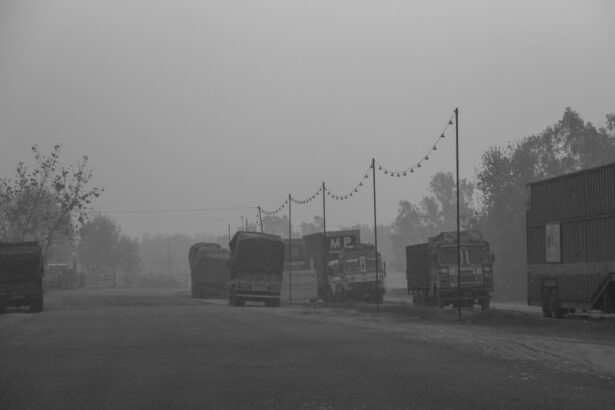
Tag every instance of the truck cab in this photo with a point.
(356, 274)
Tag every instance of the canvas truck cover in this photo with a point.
(20, 261)
(199, 250)
(256, 252)
(210, 264)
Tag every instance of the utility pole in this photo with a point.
(260, 218)
(376, 237)
(290, 251)
(458, 232)
(324, 233)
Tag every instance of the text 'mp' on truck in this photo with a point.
(21, 275)
(571, 242)
(256, 268)
(432, 270)
(321, 249)
(209, 270)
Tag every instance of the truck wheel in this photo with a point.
(231, 299)
(555, 305)
(544, 301)
(239, 302)
(436, 301)
(2, 305)
(484, 304)
(36, 304)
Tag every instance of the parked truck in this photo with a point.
(21, 275)
(209, 271)
(357, 274)
(256, 268)
(321, 249)
(432, 270)
(571, 242)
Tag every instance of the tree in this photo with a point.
(311, 227)
(102, 244)
(99, 241)
(435, 213)
(47, 202)
(570, 145)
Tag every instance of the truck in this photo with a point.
(358, 274)
(209, 271)
(322, 248)
(21, 275)
(294, 254)
(432, 270)
(570, 221)
(256, 268)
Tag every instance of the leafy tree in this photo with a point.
(47, 202)
(274, 224)
(99, 241)
(435, 213)
(570, 145)
(311, 227)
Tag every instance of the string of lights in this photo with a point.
(353, 191)
(386, 171)
(418, 164)
(309, 199)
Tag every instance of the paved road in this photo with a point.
(159, 349)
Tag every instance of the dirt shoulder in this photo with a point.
(569, 345)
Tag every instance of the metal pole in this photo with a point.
(324, 235)
(376, 237)
(260, 218)
(290, 251)
(458, 232)
(229, 232)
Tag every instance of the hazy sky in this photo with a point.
(231, 104)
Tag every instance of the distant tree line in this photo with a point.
(50, 203)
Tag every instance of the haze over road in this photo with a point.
(160, 349)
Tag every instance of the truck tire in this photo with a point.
(2, 305)
(436, 300)
(484, 304)
(554, 305)
(36, 304)
(544, 301)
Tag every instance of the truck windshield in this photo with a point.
(476, 255)
(471, 255)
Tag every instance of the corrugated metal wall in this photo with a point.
(583, 204)
(583, 194)
(601, 191)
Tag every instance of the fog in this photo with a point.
(194, 113)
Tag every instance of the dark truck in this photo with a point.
(320, 250)
(209, 271)
(256, 268)
(21, 275)
(431, 270)
(571, 242)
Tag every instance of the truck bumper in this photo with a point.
(467, 295)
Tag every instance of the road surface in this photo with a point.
(160, 349)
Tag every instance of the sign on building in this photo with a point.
(553, 243)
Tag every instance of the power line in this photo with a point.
(139, 211)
